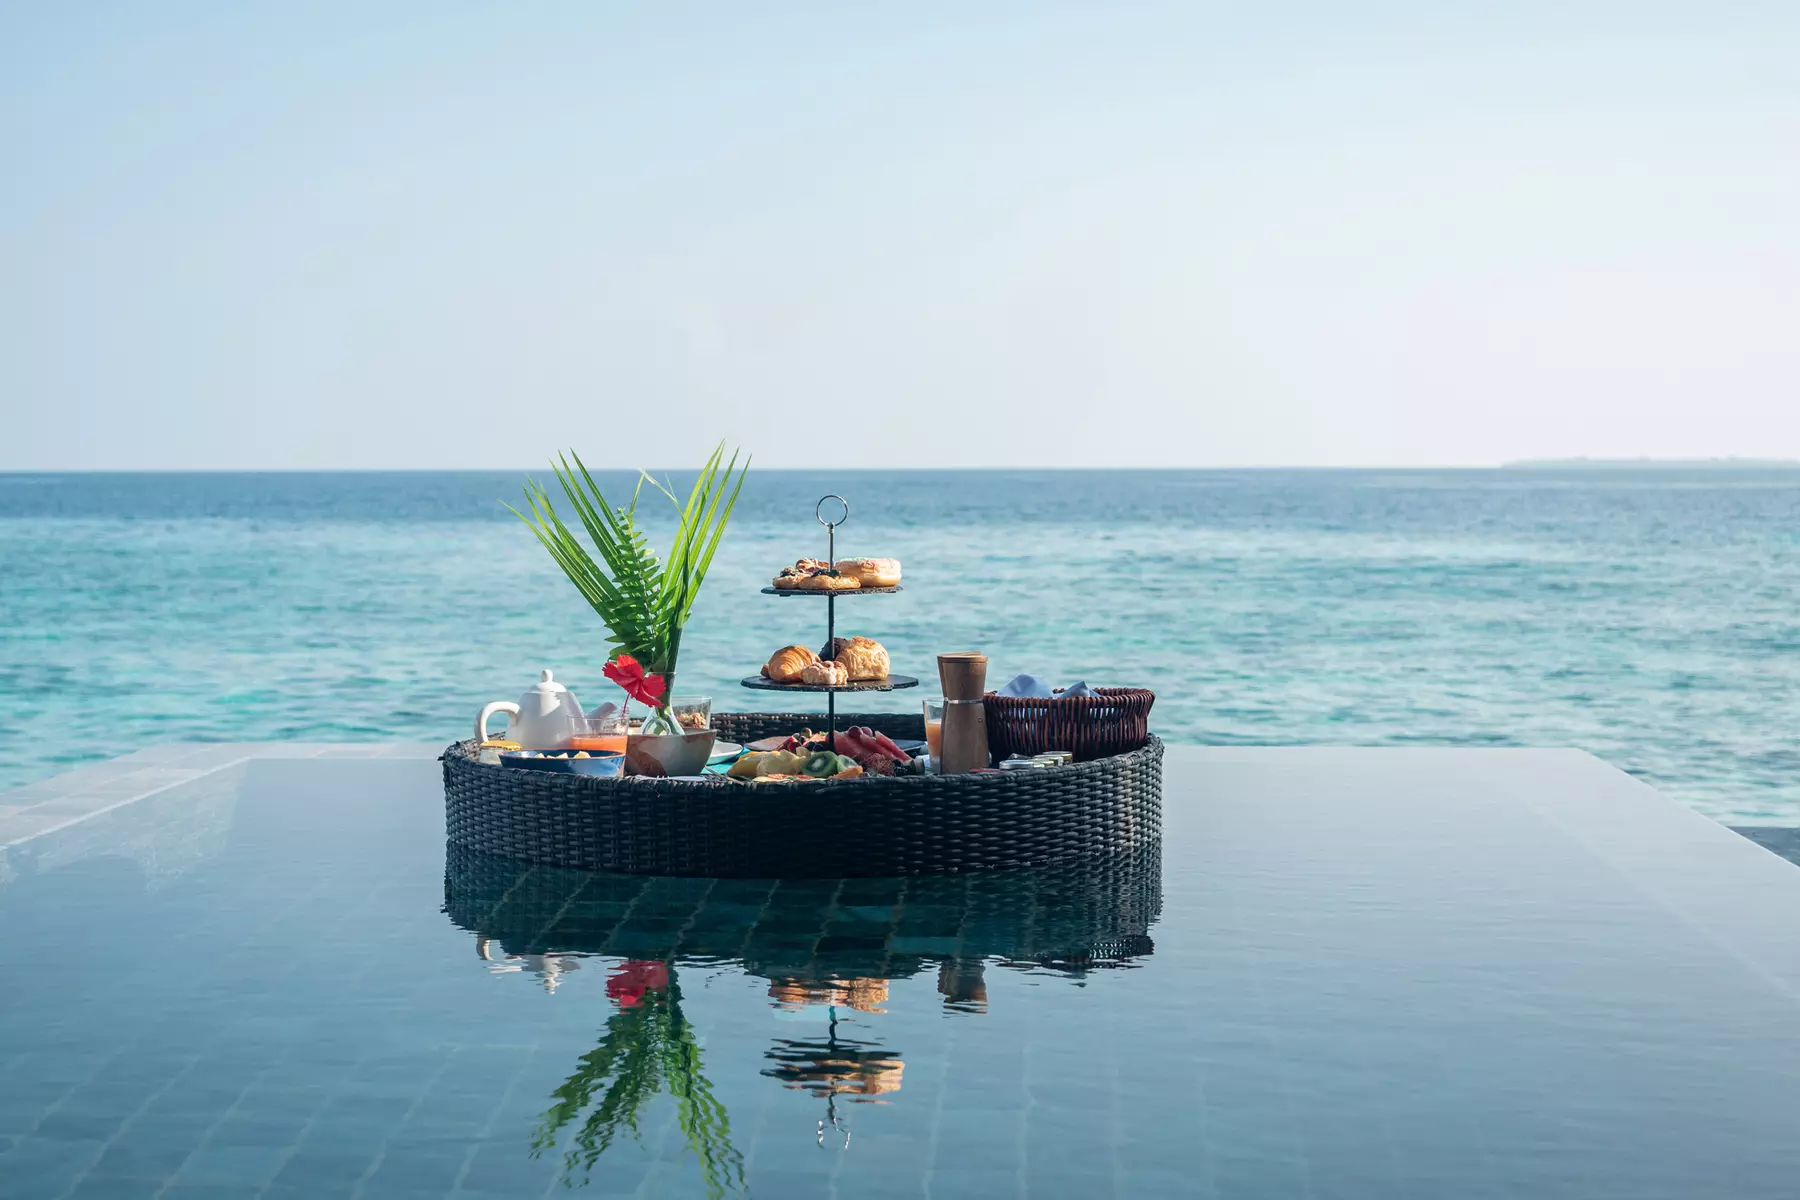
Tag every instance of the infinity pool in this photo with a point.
(1346, 974)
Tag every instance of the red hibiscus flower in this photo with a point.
(633, 979)
(629, 674)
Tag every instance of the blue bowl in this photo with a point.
(602, 764)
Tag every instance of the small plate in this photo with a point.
(605, 764)
(724, 752)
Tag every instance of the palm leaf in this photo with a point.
(644, 601)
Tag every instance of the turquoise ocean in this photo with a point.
(1649, 616)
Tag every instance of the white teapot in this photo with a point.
(545, 718)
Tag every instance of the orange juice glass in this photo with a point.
(934, 726)
(600, 733)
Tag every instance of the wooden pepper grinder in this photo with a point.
(965, 744)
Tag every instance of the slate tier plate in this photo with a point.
(860, 591)
(888, 684)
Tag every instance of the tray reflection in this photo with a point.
(820, 944)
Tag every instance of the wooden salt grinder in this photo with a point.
(965, 745)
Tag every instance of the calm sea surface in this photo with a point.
(1650, 617)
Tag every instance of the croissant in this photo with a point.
(863, 658)
(786, 664)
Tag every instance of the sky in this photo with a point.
(444, 235)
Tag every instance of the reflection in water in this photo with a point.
(549, 968)
(647, 1048)
(835, 1067)
(831, 944)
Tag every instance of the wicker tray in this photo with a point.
(928, 825)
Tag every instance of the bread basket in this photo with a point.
(1114, 721)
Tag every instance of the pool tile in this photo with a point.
(252, 1130)
(399, 1170)
(96, 1185)
(133, 1155)
(37, 1166)
(59, 1126)
(216, 1163)
(322, 1170)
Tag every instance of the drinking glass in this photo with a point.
(934, 726)
(607, 732)
(694, 712)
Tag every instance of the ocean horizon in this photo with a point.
(1644, 613)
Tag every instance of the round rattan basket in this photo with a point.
(915, 825)
(1111, 721)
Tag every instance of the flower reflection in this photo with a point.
(631, 981)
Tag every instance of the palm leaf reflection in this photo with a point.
(648, 1048)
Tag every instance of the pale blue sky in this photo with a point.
(444, 235)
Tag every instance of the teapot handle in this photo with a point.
(505, 706)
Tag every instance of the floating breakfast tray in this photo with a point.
(873, 826)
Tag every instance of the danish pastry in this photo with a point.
(872, 572)
(821, 674)
(787, 664)
(813, 575)
(827, 583)
(861, 657)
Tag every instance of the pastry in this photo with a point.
(786, 664)
(871, 572)
(863, 658)
(789, 578)
(821, 674)
(826, 583)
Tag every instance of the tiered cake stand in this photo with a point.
(891, 683)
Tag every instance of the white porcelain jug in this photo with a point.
(545, 718)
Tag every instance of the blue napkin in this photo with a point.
(1026, 685)
(1031, 686)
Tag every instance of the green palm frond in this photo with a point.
(645, 601)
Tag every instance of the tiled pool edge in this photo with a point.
(48, 805)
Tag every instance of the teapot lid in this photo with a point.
(546, 686)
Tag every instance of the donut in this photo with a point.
(872, 572)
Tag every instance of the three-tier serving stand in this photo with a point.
(889, 684)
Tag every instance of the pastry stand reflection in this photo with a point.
(891, 683)
(837, 1066)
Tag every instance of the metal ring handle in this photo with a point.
(819, 515)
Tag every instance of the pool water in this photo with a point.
(277, 980)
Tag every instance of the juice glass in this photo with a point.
(934, 725)
(600, 733)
